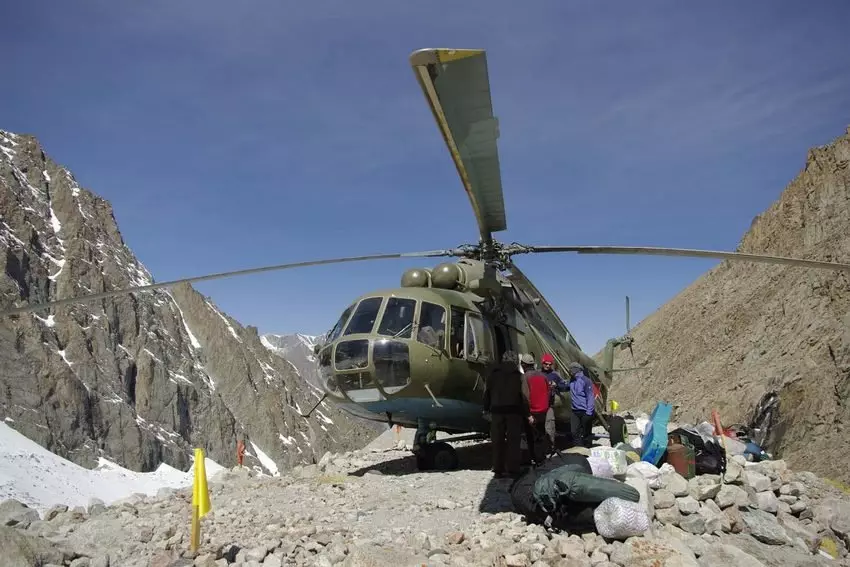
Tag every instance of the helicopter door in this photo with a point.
(478, 339)
(502, 341)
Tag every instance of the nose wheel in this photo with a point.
(432, 455)
(437, 456)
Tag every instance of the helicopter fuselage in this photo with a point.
(423, 351)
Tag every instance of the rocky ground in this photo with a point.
(371, 507)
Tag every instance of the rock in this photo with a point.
(736, 521)
(767, 501)
(757, 481)
(764, 527)
(640, 552)
(20, 548)
(693, 523)
(687, 505)
(55, 511)
(835, 514)
(713, 511)
(717, 555)
(734, 473)
(798, 507)
(518, 560)
(663, 498)
(795, 529)
(669, 516)
(14, 513)
(675, 483)
(704, 487)
(730, 495)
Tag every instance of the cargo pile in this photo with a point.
(696, 482)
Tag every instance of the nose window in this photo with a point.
(352, 354)
(392, 364)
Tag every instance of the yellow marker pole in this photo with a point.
(200, 498)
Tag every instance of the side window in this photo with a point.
(397, 320)
(432, 325)
(456, 335)
(337, 330)
(364, 316)
(479, 339)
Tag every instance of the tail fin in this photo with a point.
(625, 341)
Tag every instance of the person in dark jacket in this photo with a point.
(505, 400)
(582, 401)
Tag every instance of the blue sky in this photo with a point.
(229, 135)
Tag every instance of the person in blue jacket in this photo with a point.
(582, 402)
(557, 386)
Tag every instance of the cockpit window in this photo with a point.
(397, 320)
(364, 316)
(432, 325)
(337, 329)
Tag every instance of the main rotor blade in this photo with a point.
(457, 86)
(220, 275)
(653, 251)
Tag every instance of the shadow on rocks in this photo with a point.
(470, 457)
(497, 496)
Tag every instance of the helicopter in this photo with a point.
(418, 354)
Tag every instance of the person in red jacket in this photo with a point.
(538, 402)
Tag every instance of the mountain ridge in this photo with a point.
(744, 331)
(141, 378)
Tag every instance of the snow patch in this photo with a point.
(10, 234)
(193, 340)
(269, 373)
(265, 460)
(50, 321)
(152, 355)
(65, 358)
(46, 175)
(324, 418)
(54, 222)
(180, 377)
(289, 440)
(265, 342)
(40, 479)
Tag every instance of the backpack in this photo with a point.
(709, 456)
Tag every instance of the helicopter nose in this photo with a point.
(365, 369)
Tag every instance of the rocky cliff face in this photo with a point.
(138, 379)
(743, 330)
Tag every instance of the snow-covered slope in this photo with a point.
(34, 476)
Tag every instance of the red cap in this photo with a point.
(547, 358)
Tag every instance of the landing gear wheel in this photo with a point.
(617, 432)
(438, 456)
